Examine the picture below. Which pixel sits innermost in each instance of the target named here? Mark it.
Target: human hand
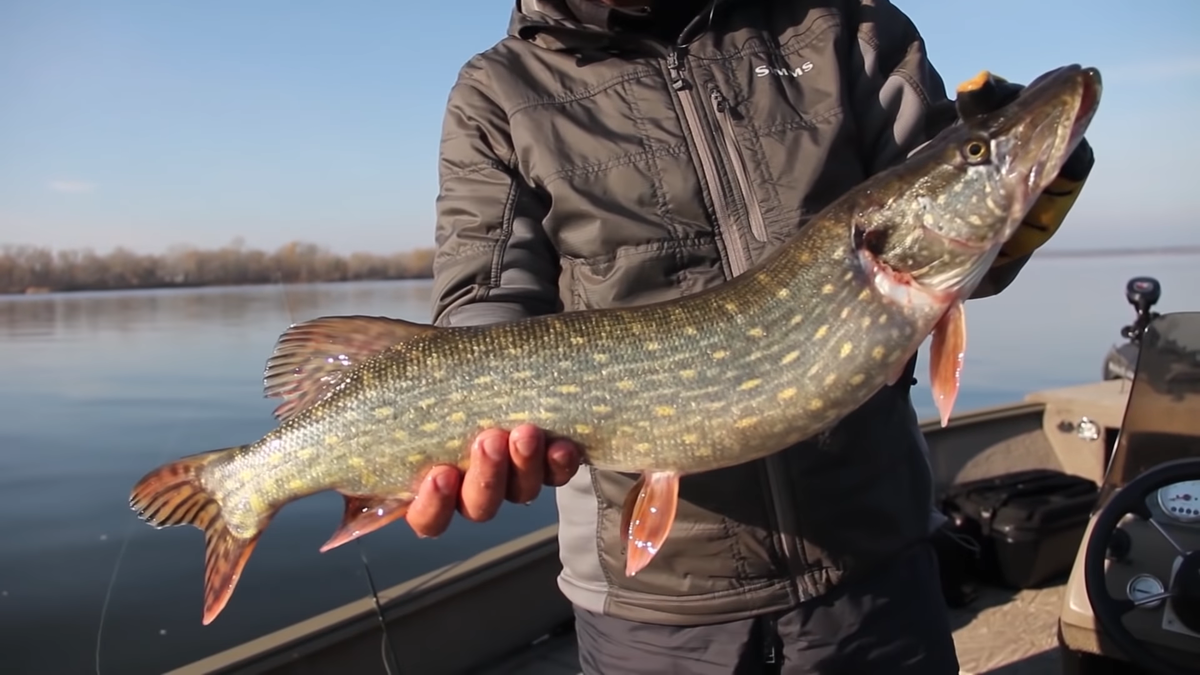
(504, 465)
(988, 92)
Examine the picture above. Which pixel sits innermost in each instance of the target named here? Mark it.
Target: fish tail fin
(173, 495)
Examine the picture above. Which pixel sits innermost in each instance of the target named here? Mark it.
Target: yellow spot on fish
(830, 379)
(653, 346)
(789, 357)
(720, 354)
(451, 444)
(731, 307)
(257, 503)
(865, 294)
(806, 257)
(883, 319)
(815, 368)
(845, 312)
(296, 484)
(687, 374)
(878, 353)
(781, 293)
(518, 416)
(416, 458)
(430, 426)
(690, 438)
(523, 375)
(866, 322)
(600, 358)
(332, 440)
(486, 423)
(784, 395)
(427, 402)
(357, 462)
(246, 474)
(400, 435)
(857, 378)
(746, 422)
(821, 332)
(847, 347)
(642, 447)
(796, 320)
(578, 340)
(756, 332)
(458, 417)
(483, 379)
(568, 389)
(827, 289)
(664, 411)
(749, 384)
(690, 330)
(847, 276)
(816, 404)
(601, 409)
(625, 385)
(583, 428)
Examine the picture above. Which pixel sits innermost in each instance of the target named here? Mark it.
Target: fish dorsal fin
(312, 357)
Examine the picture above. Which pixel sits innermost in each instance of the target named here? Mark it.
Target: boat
(1134, 433)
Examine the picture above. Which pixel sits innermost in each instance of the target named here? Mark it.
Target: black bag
(1028, 524)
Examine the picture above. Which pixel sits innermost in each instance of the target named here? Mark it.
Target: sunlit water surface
(100, 387)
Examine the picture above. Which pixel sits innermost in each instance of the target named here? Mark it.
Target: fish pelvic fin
(364, 515)
(647, 517)
(311, 358)
(947, 350)
(173, 495)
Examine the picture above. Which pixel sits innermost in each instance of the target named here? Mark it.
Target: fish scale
(719, 378)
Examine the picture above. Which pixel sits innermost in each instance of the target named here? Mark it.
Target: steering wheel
(1108, 610)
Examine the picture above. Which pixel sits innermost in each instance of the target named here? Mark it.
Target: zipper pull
(676, 68)
(720, 103)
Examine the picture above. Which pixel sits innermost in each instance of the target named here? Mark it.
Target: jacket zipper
(738, 264)
(691, 117)
(724, 118)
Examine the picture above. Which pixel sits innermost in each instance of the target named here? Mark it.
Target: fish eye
(976, 151)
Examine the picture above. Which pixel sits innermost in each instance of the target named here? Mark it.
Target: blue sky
(152, 123)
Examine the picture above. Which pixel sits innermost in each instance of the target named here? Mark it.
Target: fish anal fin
(948, 348)
(173, 495)
(365, 515)
(647, 516)
(312, 357)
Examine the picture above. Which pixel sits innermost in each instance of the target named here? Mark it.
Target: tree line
(32, 269)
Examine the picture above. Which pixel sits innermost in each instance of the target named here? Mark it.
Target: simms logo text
(763, 71)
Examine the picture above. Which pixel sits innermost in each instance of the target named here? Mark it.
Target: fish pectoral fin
(311, 358)
(946, 354)
(647, 516)
(173, 495)
(365, 515)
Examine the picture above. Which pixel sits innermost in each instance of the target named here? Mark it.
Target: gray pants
(893, 622)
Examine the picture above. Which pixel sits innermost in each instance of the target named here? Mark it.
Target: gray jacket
(583, 167)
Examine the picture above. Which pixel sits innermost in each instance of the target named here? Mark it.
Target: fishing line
(112, 579)
(386, 651)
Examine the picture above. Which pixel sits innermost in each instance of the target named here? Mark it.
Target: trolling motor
(1143, 293)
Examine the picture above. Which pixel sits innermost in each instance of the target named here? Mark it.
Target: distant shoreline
(30, 270)
(27, 270)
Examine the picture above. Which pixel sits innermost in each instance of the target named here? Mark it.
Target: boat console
(1134, 590)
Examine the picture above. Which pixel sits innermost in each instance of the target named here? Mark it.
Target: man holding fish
(611, 153)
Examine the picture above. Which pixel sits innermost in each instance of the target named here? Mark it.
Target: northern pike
(718, 378)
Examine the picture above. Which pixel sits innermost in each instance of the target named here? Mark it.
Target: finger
(527, 447)
(430, 513)
(563, 459)
(486, 481)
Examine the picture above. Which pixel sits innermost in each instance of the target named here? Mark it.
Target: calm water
(99, 388)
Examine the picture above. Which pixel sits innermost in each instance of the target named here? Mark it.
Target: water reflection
(98, 388)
